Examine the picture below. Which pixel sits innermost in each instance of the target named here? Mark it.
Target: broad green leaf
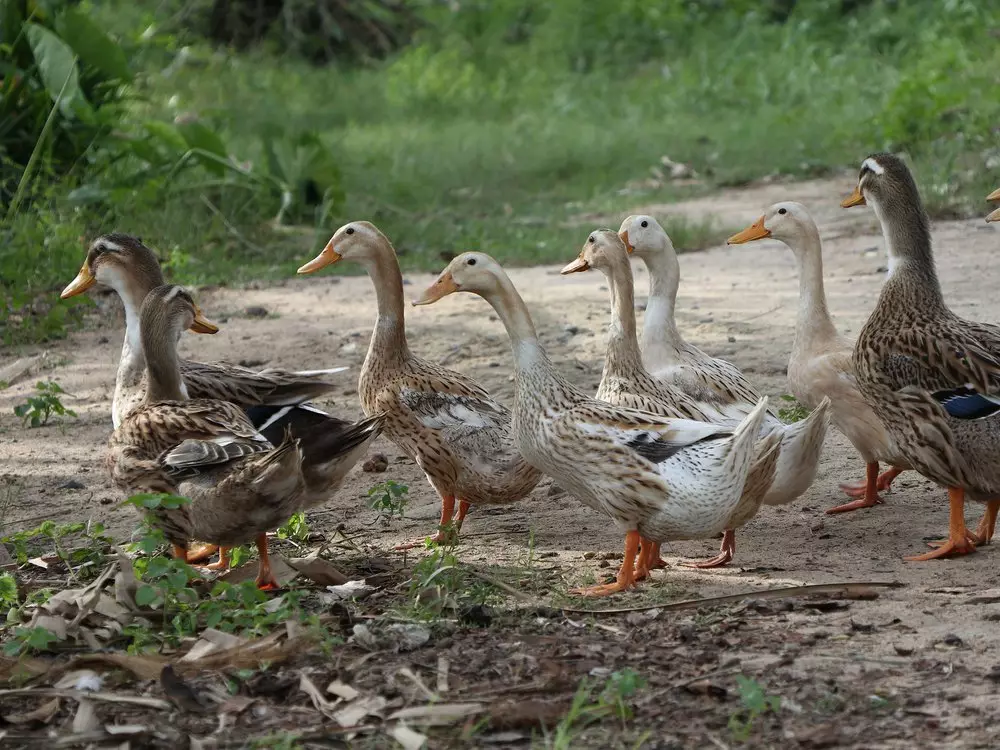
(166, 133)
(94, 47)
(145, 595)
(199, 136)
(57, 65)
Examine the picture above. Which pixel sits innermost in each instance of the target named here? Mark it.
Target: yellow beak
(994, 196)
(444, 286)
(83, 281)
(623, 235)
(202, 324)
(756, 231)
(574, 266)
(994, 215)
(854, 199)
(328, 257)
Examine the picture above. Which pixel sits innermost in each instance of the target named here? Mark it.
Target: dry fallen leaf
(85, 718)
(354, 712)
(408, 738)
(320, 703)
(437, 714)
(42, 713)
(318, 570)
(342, 690)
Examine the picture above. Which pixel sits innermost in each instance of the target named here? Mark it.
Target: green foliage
(295, 528)
(388, 498)
(8, 591)
(756, 702)
(793, 412)
(37, 410)
(82, 546)
(591, 705)
(26, 639)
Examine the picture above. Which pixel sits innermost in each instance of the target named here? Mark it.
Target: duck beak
(756, 231)
(575, 266)
(994, 215)
(328, 257)
(994, 196)
(202, 324)
(83, 281)
(444, 286)
(854, 199)
(623, 236)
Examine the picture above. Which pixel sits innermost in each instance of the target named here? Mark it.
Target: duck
(821, 361)
(625, 382)
(670, 358)
(273, 399)
(446, 422)
(239, 485)
(932, 377)
(657, 479)
(993, 215)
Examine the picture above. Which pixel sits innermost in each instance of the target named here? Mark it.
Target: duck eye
(644, 224)
(471, 261)
(782, 210)
(349, 230)
(591, 238)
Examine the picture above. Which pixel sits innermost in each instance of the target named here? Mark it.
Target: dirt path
(928, 647)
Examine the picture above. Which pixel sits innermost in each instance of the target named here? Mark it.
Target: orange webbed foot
(725, 556)
(204, 552)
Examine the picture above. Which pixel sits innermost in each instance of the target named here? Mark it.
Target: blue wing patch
(966, 403)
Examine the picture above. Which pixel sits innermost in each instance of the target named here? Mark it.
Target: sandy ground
(935, 638)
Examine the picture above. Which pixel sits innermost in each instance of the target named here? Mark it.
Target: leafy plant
(388, 498)
(82, 546)
(295, 528)
(590, 705)
(38, 409)
(8, 591)
(794, 412)
(756, 702)
(27, 639)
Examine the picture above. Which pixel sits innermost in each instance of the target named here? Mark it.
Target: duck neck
(659, 328)
(813, 321)
(389, 336)
(906, 230)
(132, 290)
(163, 367)
(623, 345)
(529, 357)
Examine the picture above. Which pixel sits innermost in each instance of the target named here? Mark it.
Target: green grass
(467, 139)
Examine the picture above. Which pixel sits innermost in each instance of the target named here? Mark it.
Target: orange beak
(994, 196)
(993, 215)
(756, 231)
(575, 266)
(328, 257)
(623, 236)
(444, 286)
(854, 199)
(202, 324)
(83, 281)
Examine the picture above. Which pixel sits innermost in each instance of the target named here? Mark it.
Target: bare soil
(916, 666)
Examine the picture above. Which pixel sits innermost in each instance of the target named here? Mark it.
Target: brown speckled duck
(625, 382)
(932, 377)
(657, 479)
(457, 434)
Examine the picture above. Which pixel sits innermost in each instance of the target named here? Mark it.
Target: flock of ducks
(675, 444)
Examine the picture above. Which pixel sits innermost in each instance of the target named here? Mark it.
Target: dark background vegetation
(235, 135)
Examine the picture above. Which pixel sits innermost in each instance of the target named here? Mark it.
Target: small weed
(39, 408)
(295, 528)
(280, 741)
(29, 639)
(82, 546)
(8, 591)
(794, 412)
(388, 498)
(614, 699)
(756, 703)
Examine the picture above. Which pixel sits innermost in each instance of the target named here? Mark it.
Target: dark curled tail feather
(325, 442)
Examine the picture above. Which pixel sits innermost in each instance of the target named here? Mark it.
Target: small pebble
(71, 484)
(375, 464)
(255, 311)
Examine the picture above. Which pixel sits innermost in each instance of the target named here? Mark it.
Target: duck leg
(645, 561)
(441, 536)
(867, 491)
(203, 552)
(223, 562)
(984, 532)
(265, 578)
(463, 509)
(626, 574)
(959, 540)
(726, 551)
